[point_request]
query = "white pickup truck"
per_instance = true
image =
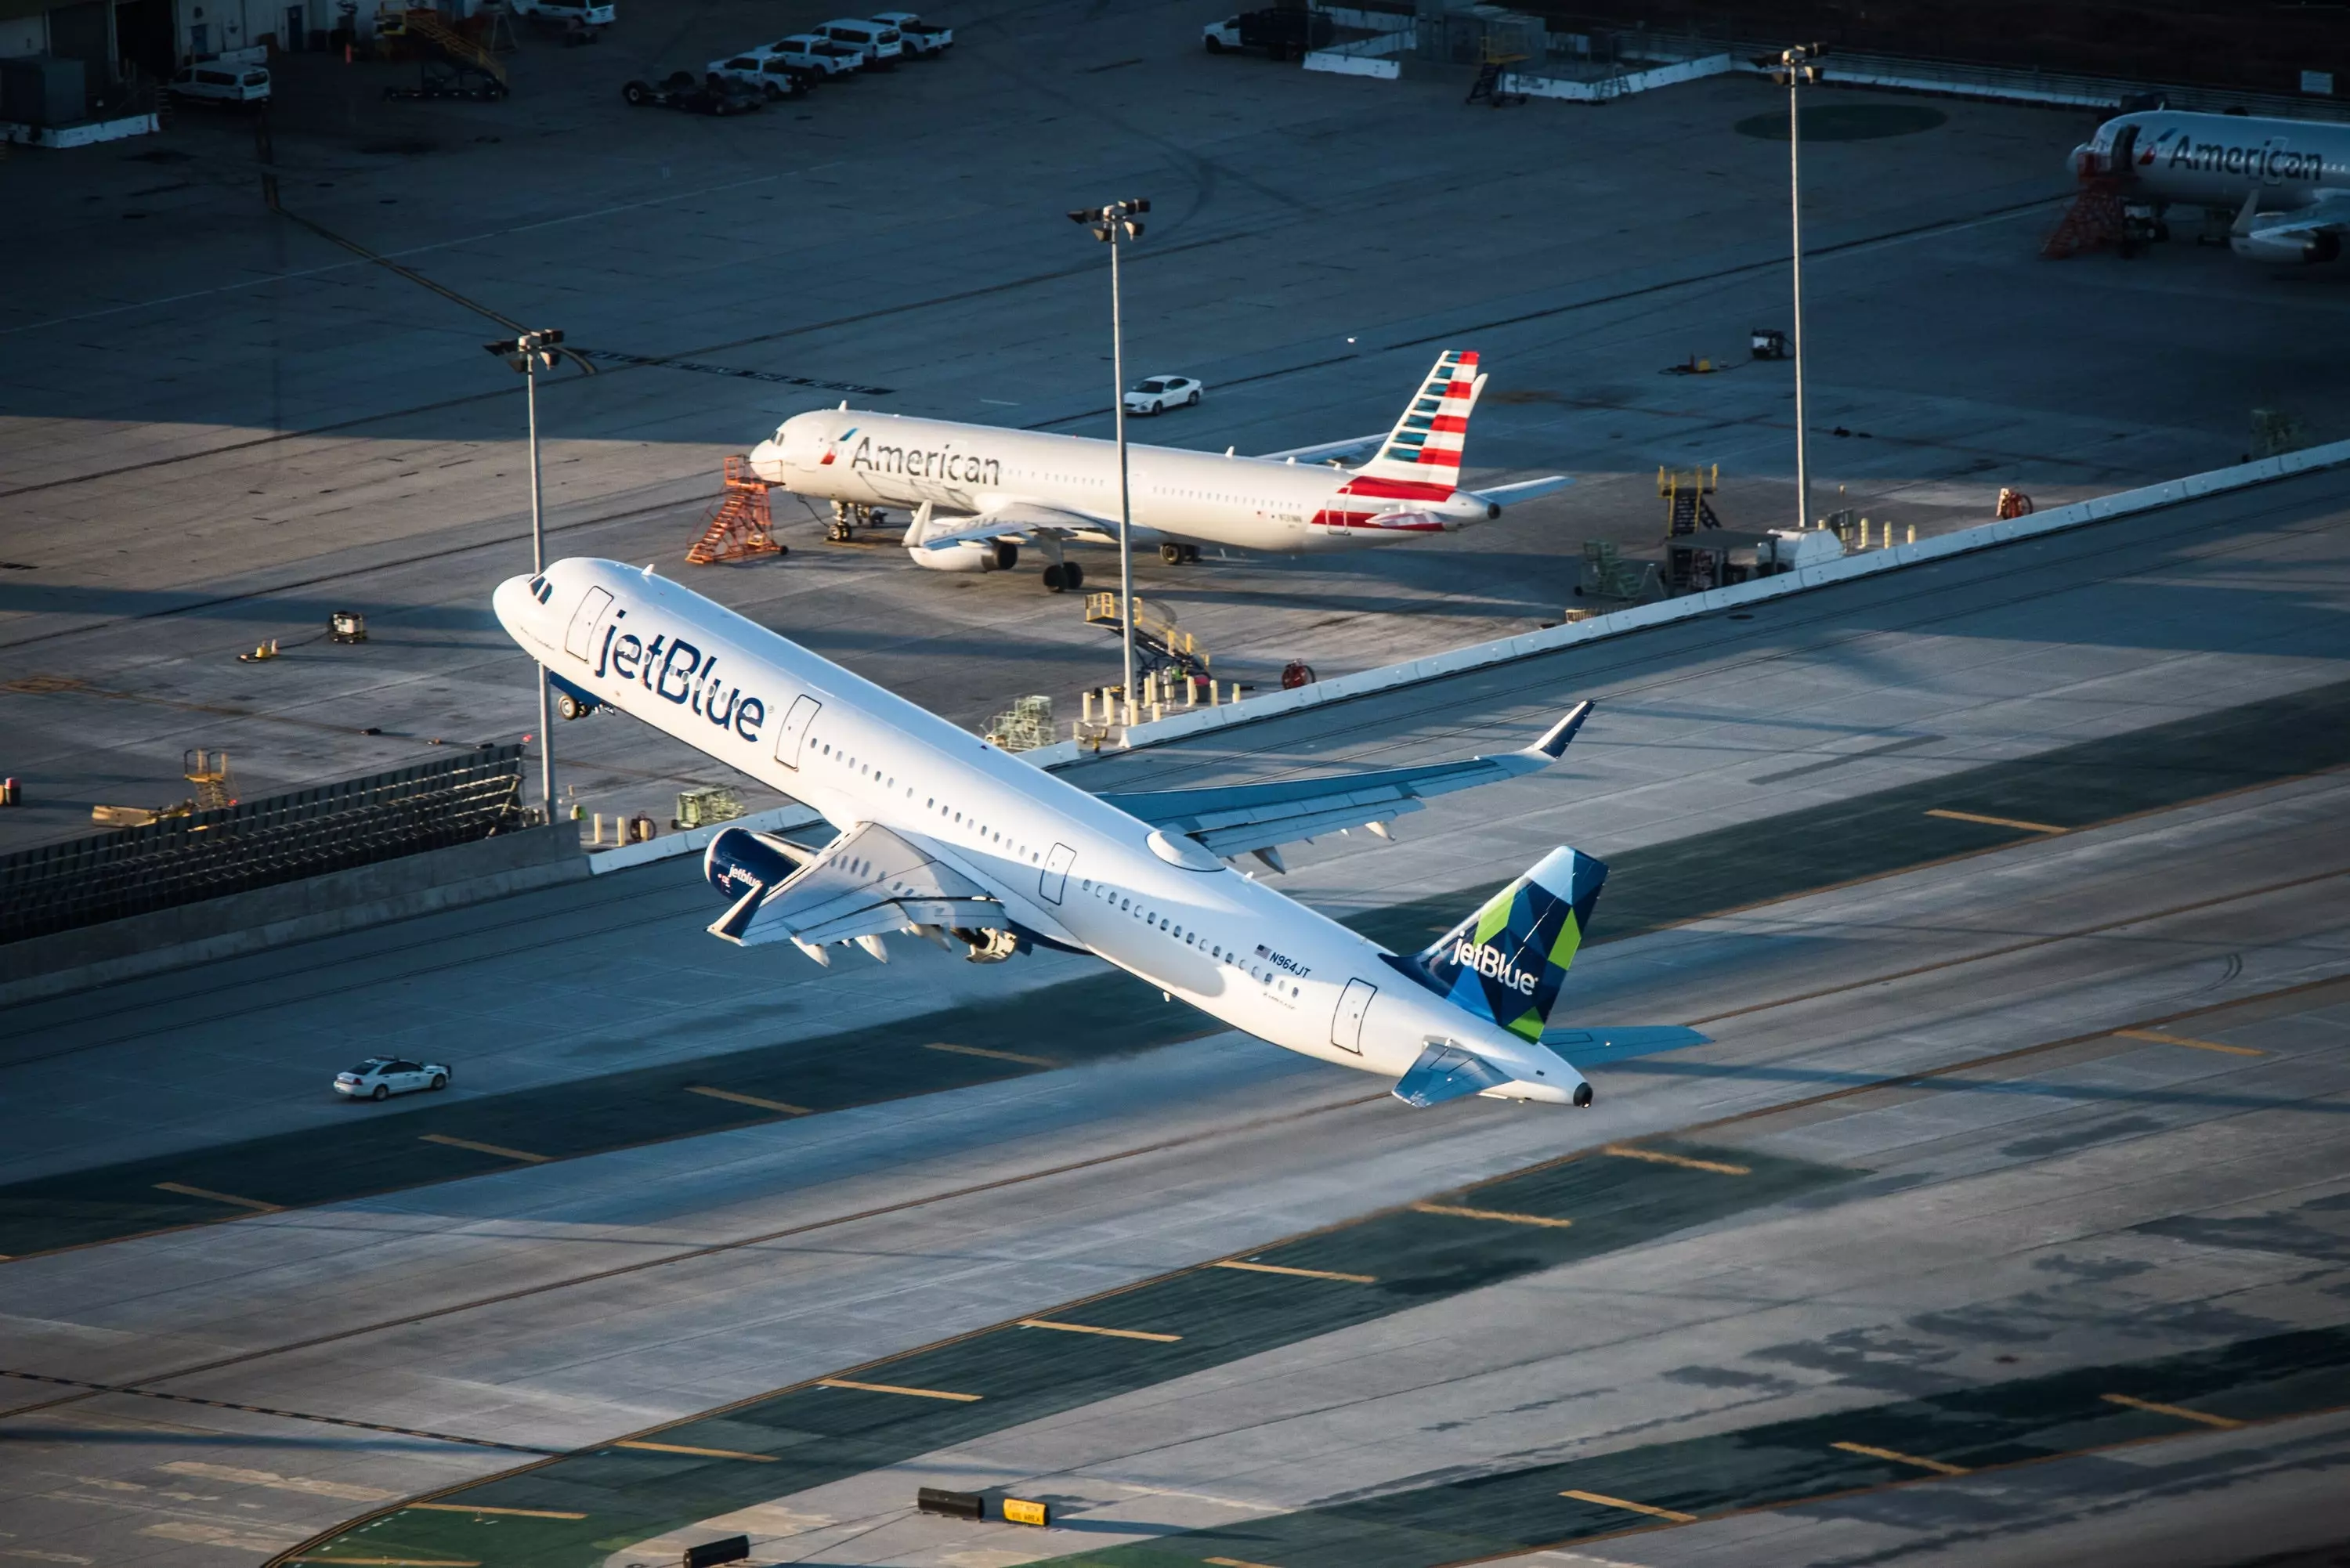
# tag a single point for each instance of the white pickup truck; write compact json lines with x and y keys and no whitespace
{"x":922,"y":38}
{"x":572,"y":16}
{"x":815,"y":56}
{"x":878,"y":43}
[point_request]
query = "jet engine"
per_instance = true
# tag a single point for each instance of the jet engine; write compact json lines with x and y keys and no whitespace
{"x":970,"y":556}
{"x":739,"y":859}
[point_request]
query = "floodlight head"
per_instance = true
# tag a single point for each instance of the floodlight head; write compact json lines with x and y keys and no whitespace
{"x":1138,"y":203}
{"x":1102,"y":232}
{"x":1084,"y":216}
{"x":1133,"y":229}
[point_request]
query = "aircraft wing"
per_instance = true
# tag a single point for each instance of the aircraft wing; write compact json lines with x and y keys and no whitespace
{"x":1028,"y":519}
{"x":1524,"y":490}
{"x":2314,"y":233}
{"x":1237,"y":819}
{"x":867,"y":882}
{"x":1329,"y":449}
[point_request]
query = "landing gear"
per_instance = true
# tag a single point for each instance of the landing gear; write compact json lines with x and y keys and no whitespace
{"x":988,"y":946}
{"x":1179,"y":555}
{"x":1062,"y":575}
{"x":848,"y":516}
{"x":1583,"y":1094}
{"x":570,"y":707}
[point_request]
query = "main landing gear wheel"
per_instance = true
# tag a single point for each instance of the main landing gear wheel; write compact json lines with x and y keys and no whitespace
{"x":570,"y":707}
{"x":1583,"y":1094}
{"x":1172,"y":554}
{"x":1064,"y":576}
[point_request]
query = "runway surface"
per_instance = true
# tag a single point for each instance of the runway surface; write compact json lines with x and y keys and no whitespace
{"x":2065,"y":1088}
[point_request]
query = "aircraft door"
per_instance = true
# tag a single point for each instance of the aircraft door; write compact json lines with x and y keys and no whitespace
{"x":1056,"y":872}
{"x":1347,"y":1023}
{"x":2125,"y":149}
{"x":795,"y":728}
{"x":579,"y":641}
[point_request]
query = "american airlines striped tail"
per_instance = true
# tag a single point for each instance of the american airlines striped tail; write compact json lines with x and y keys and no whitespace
{"x":1421,"y":459}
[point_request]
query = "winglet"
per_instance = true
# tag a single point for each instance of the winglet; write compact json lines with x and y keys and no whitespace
{"x":1554,"y":743}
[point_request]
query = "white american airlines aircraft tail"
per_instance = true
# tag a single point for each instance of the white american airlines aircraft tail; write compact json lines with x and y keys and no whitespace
{"x":977,"y":492}
{"x":942,"y":834}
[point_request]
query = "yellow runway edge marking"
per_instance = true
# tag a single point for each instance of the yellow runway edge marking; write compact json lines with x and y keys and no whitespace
{"x":698,"y":1453}
{"x":1299,"y":1274}
{"x":894,"y":1388}
{"x":507,"y":1512}
{"x":1607,"y":1502}
{"x":1936,"y":1466}
{"x":999,"y":1055}
{"x":784,"y":1106}
{"x":255,"y":1204}
{"x":1659,"y":1156}
{"x":2159,"y":1038}
{"x":1242,"y":1562}
{"x":1090,"y":1328}
{"x":392,"y":1562}
{"x":502,"y":1152}
{"x":1502,"y":1215}
{"x":2184,"y":1413}
{"x":1998,"y":820}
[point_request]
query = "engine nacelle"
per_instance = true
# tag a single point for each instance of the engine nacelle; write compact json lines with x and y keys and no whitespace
{"x":739,"y":860}
{"x":2288,"y":248}
{"x":970,"y":556}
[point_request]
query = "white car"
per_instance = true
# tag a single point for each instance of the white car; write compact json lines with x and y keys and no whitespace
{"x":1222,"y":35}
{"x":1157,"y":394}
{"x":821,"y":56}
{"x":878,"y":41}
{"x":922,"y":38}
{"x":589,"y":16}
{"x":223,"y":84}
{"x":380,"y":1078}
{"x":771,"y":74}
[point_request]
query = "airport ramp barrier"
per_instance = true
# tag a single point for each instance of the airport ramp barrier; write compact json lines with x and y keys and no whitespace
{"x":259,"y":844}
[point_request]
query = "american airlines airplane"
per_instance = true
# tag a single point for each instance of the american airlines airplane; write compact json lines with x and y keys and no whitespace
{"x":2287,"y":180}
{"x":945,"y":837}
{"x":978,"y":492}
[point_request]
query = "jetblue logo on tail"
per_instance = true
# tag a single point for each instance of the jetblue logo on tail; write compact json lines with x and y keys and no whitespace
{"x":1507,"y":961}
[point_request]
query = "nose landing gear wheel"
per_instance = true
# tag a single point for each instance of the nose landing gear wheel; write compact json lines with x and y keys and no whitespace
{"x":1583,"y":1094}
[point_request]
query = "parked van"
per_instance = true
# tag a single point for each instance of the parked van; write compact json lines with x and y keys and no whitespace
{"x":222,"y":84}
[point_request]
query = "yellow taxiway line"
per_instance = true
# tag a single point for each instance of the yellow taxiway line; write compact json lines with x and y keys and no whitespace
{"x":1607,"y":1502}
{"x":1659,"y":1156}
{"x":1998,"y":820}
{"x":255,"y":1204}
{"x":2180,"y":1411}
{"x":1091,"y":1328}
{"x":894,"y":1388}
{"x":2159,"y":1038}
{"x":784,"y":1106}
{"x":1896,"y":1456}
{"x":1500,"y":1216}
{"x":1298,"y":1273}
{"x":502,"y":1152}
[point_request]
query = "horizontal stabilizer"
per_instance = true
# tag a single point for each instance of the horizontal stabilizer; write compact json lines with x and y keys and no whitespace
{"x":1590,"y":1042}
{"x":1524,"y":490}
{"x":1445,"y":1072}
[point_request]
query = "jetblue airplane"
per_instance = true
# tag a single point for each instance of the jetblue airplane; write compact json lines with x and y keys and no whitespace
{"x":945,"y":837}
{"x":978,"y":492}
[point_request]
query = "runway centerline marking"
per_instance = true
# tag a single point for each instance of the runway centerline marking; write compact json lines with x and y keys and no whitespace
{"x":984,"y":1051}
{"x":697,"y":1453}
{"x":1998,"y":820}
{"x":2223,"y":1423}
{"x":2159,"y":1038}
{"x":1659,"y":1156}
{"x":741,"y":1099}
{"x":1500,"y":1216}
{"x":513,"y":1512}
{"x":1896,"y":1456}
{"x":1653,"y":1512}
{"x":1093,"y":1328}
{"x":500,"y":1150}
{"x":896,"y":1388}
{"x":1298,"y":1273}
{"x":255,"y":1204}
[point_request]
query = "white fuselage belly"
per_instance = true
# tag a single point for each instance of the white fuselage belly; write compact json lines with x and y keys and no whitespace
{"x":889,"y":460}
{"x":727,"y":687}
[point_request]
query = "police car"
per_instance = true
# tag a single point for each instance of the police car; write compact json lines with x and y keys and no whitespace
{"x":380,"y":1078}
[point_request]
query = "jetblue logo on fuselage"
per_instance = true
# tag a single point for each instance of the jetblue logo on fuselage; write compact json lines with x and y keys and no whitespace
{"x":1493,"y":964}
{"x":673,"y":668}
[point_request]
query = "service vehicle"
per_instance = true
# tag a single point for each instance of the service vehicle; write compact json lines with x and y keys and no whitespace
{"x":586,"y":17}
{"x":922,"y":38}
{"x":772,"y":76}
{"x":1279,"y":33}
{"x":380,"y":1078}
{"x":222,"y":84}
{"x":1157,"y":394}
{"x":878,"y":41}
{"x":680,"y":90}
{"x":818,"y":56}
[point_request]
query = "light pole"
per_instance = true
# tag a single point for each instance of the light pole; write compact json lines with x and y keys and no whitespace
{"x":1120,"y":220}
{"x":526,"y":354}
{"x":1798,"y":69}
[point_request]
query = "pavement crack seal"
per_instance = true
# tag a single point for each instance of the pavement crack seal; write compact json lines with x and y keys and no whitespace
{"x":92,"y":1390}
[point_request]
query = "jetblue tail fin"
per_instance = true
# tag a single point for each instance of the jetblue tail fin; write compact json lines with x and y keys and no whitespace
{"x":1507,"y":961}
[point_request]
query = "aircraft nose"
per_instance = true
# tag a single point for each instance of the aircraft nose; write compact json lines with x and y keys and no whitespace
{"x":516,"y":608}
{"x":767,"y":460}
